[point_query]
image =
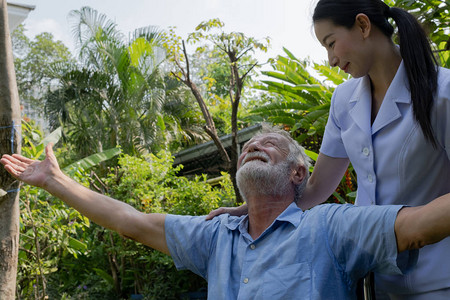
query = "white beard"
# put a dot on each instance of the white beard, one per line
(256, 177)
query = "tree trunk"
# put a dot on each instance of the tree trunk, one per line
(10, 142)
(236, 86)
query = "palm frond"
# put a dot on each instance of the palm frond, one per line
(302, 101)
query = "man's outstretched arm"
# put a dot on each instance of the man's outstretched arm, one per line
(416, 227)
(147, 229)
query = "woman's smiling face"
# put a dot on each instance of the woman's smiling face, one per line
(346, 47)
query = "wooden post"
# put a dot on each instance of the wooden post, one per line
(10, 142)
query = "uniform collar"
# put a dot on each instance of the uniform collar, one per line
(362, 102)
(398, 92)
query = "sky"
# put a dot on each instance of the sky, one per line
(287, 22)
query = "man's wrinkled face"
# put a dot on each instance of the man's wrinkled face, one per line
(267, 148)
(263, 166)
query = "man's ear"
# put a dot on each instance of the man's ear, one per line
(298, 174)
(362, 22)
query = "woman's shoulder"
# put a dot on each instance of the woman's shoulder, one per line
(350, 84)
(351, 90)
(443, 88)
(444, 78)
(444, 71)
(441, 109)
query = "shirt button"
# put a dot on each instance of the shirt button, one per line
(370, 178)
(245, 280)
(366, 151)
(252, 246)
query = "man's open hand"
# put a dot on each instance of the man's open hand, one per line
(30, 171)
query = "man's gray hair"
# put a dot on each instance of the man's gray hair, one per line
(296, 155)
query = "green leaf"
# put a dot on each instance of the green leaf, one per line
(312, 155)
(332, 74)
(53, 138)
(341, 200)
(160, 123)
(281, 106)
(93, 160)
(77, 245)
(35, 136)
(289, 53)
(275, 74)
(281, 120)
(108, 278)
(352, 194)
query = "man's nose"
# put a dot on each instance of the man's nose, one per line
(254, 146)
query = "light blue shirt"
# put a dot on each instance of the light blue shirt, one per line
(316, 254)
(394, 163)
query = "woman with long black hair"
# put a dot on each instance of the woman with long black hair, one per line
(391, 121)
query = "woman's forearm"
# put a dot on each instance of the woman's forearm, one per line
(327, 174)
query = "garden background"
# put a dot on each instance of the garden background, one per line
(120, 109)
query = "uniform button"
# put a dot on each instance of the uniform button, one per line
(252, 246)
(245, 280)
(370, 178)
(366, 151)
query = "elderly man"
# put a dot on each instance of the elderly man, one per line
(277, 250)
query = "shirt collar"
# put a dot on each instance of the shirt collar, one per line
(290, 214)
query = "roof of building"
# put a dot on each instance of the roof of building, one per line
(17, 13)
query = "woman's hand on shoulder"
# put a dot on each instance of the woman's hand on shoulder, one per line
(233, 211)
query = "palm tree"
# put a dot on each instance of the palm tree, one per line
(119, 95)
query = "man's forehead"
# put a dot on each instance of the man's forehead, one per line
(271, 135)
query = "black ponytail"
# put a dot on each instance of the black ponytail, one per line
(420, 63)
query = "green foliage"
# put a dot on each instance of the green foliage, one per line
(216, 54)
(434, 15)
(51, 233)
(33, 60)
(300, 100)
(150, 184)
(48, 229)
(222, 67)
(91, 161)
(235, 42)
(63, 256)
(187, 124)
(119, 92)
(346, 190)
(119, 266)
